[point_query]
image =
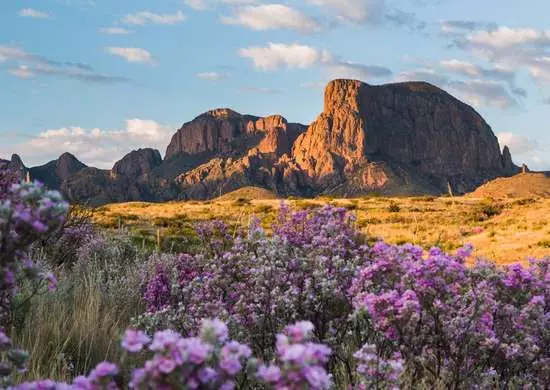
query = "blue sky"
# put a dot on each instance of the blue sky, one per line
(99, 77)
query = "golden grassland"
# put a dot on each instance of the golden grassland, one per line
(504, 230)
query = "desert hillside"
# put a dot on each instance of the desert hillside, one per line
(521, 185)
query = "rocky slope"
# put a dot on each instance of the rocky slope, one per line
(404, 138)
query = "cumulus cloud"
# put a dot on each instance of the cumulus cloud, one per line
(483, 93)
(147, 17)
(33, 13)
(115, 30)
(477, 92)
(95, 147)
(518, 144)
(131, 54)
(202, 5)
(271, 17)
(525, 150)
(28, 65)
(277, 55)
(354, 11)
(344, 69)
(471, 70)
(517, 48)
(427, 75)
(504, 37)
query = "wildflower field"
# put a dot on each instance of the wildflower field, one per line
(305, 296)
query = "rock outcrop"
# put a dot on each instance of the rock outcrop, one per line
(138, 163)
(394, 139)
(416, 126)
(224, 132)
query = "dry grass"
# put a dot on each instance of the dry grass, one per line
(522, 185)
(506, 231)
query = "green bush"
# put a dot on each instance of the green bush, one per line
(394, 207)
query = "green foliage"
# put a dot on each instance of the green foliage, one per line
(394, 207)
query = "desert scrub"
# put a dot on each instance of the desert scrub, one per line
(394, 207)
(485, 210)
(264, 209)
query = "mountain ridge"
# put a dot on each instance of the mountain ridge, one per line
(400, 138)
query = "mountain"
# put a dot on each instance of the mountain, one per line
(55, 172)
(395, 139)
(404, 138)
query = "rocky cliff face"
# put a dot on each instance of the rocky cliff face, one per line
(404, 138)
(138, 163)
(228, 133)
(416, 126)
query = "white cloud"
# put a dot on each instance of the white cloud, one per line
(270, 17)
(525, 151)
(145, 17)
(210, 76)
(33, 13)
(29, 65)
(23, 72)
(427, 75)
(518, 144)
(278, 55)
(483, 93)
(95, 147)
(512, 48)
(461, 67)
(202, 5)
(115, 30)
(477, 92)
(498, 72)
(344, 69)
(506, 37)
(355, 11)
(131, 54)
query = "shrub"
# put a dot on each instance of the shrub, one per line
(394, 207)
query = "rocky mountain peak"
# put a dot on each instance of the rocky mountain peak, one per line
(222, 113)
(67, 165)
(415, 125)
(16, 162)
(137, 163)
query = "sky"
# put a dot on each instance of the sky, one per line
(99, 78)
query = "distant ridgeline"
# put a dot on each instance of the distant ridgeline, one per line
(395, 139)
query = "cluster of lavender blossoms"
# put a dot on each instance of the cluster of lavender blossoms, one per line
(260, 283)
(27, 213)
(208, 361)
(454, 324)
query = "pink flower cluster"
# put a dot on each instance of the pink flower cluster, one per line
(450, 322)
(299, 363)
